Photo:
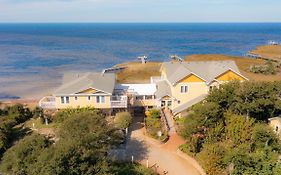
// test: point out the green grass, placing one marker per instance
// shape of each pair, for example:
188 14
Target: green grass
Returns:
133 169
39 125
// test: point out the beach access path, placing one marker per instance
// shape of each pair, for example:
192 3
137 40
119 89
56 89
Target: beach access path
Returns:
158 156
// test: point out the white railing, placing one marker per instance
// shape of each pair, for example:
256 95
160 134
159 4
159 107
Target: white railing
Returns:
119 101
48 102
155 79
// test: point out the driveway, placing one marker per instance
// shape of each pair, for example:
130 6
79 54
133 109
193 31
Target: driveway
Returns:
161 157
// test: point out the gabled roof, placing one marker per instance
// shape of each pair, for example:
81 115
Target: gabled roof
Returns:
206 70
188 104
100 82
163 89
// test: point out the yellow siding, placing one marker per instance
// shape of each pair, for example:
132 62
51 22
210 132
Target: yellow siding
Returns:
83 101
191 78
88 91
194 90
230 75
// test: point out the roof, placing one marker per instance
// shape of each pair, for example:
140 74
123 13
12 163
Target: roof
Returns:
138 89
206 70
275 118
163 89
98 81
188 104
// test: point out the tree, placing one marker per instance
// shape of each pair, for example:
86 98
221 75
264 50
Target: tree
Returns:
22 156
123 120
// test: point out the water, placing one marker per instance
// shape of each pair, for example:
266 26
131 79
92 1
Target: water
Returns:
42 52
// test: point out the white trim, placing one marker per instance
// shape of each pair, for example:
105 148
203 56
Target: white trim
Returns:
98 90
100 101
72 95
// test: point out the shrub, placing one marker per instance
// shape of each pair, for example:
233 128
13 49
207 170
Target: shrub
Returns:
123 120
38 112
62 115
154 113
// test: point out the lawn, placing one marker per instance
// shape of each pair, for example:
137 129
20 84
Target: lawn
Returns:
133 169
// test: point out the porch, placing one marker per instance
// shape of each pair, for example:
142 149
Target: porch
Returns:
48 102
119 101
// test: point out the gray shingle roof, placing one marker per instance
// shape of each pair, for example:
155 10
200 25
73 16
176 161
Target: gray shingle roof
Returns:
188 104
98 81
207 70
163 89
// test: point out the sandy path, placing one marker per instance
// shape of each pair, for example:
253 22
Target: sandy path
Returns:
161 157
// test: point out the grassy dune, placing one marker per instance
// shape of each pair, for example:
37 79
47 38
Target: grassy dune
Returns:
137 72
141 73
242 63
269 51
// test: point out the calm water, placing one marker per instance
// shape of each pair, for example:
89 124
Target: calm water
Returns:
48 50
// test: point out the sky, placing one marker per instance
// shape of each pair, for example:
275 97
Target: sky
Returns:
140 11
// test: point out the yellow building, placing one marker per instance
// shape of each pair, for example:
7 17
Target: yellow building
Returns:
181 85
184 84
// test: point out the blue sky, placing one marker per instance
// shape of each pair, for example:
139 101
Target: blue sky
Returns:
140 11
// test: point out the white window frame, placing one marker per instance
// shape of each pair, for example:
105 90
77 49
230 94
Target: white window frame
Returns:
64 99
67 99
100 99
184 89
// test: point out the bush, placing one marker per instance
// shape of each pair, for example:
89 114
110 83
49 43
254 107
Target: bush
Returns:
64 114
38 112
123 120
18 159
153 113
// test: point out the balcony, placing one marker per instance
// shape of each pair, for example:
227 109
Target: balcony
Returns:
48 102
119 101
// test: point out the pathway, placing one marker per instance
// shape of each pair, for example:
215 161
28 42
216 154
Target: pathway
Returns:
170 121
161 157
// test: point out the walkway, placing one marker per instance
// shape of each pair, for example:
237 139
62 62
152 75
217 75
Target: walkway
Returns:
161 157
170 121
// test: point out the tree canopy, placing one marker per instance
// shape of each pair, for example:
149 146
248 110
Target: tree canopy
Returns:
228 133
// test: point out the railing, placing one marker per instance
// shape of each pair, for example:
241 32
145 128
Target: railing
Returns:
119 101
155 79
48 103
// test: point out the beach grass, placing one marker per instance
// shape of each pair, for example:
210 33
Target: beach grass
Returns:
269 51
136 72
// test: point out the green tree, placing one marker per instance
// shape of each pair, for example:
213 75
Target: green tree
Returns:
123 120
24 154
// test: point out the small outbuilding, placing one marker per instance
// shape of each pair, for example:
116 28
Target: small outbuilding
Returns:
275 123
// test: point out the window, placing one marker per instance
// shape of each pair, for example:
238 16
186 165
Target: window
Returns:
139 97
66 99
76 98
179 102
100 99
89 97
149 97
276 129
62 100
184 89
